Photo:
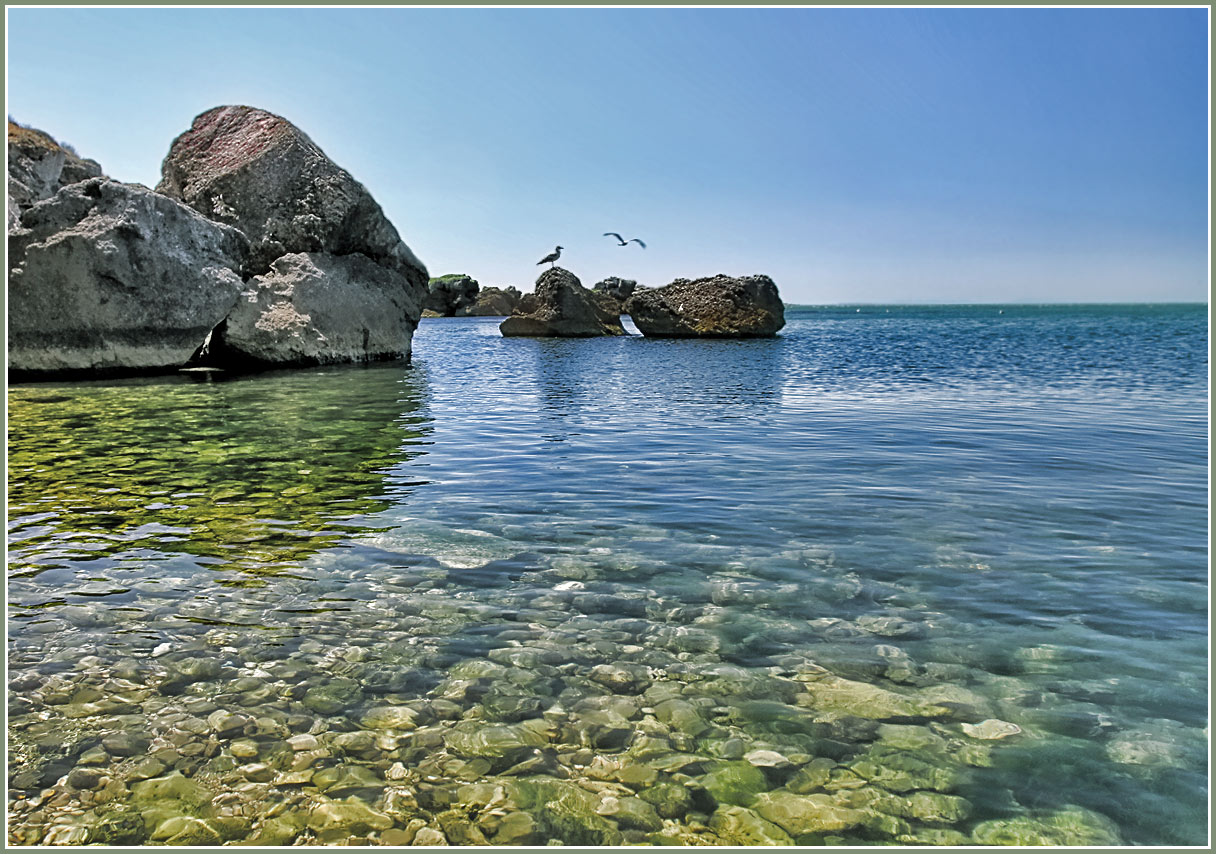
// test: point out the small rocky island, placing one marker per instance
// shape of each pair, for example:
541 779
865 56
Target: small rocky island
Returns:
561 307
460 295
716 307
255 250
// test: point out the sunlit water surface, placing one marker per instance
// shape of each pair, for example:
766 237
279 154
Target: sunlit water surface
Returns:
999 509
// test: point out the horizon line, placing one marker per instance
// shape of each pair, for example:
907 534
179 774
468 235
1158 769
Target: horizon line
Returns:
1021 303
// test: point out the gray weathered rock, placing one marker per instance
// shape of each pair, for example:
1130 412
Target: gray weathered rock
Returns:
312 228
562 308
493 302
260 173
38 167
615 287
716 307
110 276
315 308
452 294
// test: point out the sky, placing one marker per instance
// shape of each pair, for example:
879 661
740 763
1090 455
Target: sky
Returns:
853 155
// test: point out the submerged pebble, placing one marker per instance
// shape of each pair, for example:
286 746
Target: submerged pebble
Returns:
991 729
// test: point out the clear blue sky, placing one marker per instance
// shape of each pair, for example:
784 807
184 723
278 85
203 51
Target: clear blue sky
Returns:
855 155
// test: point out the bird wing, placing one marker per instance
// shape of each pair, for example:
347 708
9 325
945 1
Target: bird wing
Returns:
613 234
638 242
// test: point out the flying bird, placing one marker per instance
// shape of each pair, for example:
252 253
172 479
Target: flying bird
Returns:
622 241
551 257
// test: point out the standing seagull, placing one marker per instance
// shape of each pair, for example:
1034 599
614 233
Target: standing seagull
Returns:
551 257
622 241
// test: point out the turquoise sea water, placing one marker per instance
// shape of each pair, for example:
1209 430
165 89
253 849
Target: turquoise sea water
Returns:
997 511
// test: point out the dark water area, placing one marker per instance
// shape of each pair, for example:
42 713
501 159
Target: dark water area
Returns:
903 574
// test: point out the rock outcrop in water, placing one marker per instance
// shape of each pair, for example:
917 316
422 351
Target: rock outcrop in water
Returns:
107 276
38 167
460 295
560 307
450 295
612 293
616 288
716 307
258 172
494 302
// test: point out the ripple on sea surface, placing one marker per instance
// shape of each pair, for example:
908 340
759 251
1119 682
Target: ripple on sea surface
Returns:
684 593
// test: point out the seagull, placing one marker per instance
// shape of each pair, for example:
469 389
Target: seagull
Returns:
551 257
622 241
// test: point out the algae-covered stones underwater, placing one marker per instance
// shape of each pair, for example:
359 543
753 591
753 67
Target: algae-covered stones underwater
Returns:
667 765
437 718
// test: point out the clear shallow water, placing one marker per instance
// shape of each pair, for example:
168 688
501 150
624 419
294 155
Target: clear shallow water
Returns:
992 513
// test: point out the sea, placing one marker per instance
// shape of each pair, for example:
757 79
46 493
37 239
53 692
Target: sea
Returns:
902 574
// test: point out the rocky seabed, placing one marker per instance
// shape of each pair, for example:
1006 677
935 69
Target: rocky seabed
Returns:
549 697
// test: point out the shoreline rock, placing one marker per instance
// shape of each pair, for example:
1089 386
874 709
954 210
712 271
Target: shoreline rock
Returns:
258 172
110 278
493 302
617 289
313 308
38 167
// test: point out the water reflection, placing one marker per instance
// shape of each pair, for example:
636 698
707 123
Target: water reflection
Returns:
573 375
251 475
730 373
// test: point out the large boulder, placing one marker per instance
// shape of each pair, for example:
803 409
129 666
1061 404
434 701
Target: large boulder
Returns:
493 302
716 307
448 295
560 307
260 173
313 308
38 167
106 276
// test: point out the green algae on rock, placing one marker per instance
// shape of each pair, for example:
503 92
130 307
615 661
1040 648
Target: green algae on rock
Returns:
1071 825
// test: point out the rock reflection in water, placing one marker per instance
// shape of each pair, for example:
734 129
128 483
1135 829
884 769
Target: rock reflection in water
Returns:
252 475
